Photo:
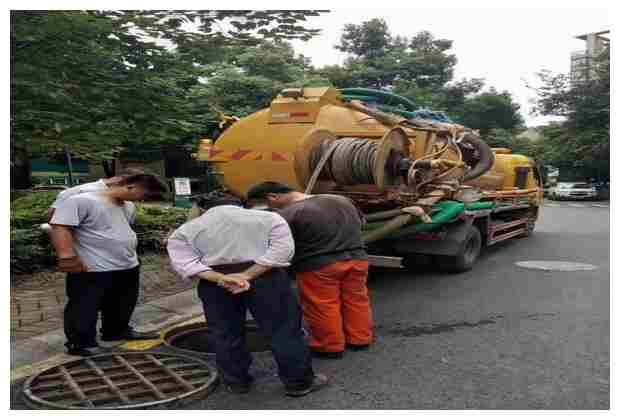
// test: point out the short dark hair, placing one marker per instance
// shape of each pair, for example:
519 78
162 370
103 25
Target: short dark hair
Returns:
155 188
133 170
217 198
260 191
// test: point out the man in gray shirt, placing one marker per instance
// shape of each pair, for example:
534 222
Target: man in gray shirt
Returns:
100 185
96 246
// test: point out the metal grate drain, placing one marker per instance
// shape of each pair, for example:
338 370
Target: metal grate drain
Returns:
120 381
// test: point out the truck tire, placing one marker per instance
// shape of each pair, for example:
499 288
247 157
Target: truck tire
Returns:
468 255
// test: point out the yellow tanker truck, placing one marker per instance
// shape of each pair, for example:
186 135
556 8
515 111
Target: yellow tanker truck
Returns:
427 186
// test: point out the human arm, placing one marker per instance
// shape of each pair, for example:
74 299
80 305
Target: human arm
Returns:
187 262
65 219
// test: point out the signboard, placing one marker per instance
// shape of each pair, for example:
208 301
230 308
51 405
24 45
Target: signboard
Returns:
182 186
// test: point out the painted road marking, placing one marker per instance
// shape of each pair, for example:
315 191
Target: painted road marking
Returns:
555 265
581 206
603 206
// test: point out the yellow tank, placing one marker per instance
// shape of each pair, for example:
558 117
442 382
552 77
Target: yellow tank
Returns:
262 146
503 174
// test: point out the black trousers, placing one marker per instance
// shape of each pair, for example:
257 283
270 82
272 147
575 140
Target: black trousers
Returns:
114 293
277 313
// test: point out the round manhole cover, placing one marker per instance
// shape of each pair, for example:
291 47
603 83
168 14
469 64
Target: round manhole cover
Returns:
198 339
555 265
120 381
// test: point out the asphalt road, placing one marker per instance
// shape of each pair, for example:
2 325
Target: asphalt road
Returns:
497 337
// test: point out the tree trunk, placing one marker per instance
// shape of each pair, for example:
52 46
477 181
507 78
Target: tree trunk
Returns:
109 167
20 169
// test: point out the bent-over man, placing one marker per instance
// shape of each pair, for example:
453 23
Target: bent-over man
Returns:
240 257
330 263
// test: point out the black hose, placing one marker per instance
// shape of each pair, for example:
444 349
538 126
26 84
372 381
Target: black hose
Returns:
352 161
482 162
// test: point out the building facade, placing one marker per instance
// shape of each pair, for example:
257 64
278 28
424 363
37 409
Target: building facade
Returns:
582 62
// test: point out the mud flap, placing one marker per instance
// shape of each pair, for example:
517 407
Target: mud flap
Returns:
450 242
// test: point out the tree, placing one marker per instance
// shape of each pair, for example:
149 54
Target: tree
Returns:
491 110
100 81
249 77
582 140
421 69
368 40
379 60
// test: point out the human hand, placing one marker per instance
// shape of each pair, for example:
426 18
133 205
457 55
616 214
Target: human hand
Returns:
233 284
71 265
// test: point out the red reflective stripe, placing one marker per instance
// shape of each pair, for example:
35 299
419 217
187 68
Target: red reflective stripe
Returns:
278 156
299 114
239 154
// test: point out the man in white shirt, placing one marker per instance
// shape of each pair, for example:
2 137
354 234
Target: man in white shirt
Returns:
241 256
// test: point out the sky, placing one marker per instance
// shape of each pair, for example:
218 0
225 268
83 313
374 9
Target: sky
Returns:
506 47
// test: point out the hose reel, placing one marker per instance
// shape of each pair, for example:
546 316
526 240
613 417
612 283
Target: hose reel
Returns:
349 160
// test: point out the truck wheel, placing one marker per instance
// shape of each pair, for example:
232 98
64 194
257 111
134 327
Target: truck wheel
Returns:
468 256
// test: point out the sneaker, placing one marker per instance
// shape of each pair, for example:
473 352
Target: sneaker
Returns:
238 388
130 334
358 347
85 351
319 381
327 354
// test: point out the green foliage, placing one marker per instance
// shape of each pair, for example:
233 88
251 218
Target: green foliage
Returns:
379 60
31 210
98 82
248 78
582 140
420 69
491 110
154 224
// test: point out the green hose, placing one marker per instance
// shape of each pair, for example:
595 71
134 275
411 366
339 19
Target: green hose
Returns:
362 98
445 212
480 205
389 98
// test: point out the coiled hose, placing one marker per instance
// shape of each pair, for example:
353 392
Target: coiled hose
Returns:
352 161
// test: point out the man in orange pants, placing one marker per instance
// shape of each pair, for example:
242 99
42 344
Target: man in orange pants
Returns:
330 263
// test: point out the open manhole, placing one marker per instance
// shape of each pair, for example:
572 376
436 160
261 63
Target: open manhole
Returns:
121 381
199 340
555 265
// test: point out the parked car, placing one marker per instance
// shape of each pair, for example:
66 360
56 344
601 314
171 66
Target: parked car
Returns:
573 191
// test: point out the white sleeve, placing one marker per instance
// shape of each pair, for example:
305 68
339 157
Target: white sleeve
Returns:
281 247
68 212
184 258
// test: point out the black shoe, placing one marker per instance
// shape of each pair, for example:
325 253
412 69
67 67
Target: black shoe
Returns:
326 354
358 347
85 351
238 388
130 334
319 381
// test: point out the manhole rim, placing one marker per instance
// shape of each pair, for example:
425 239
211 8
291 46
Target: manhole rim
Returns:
166 336
38 403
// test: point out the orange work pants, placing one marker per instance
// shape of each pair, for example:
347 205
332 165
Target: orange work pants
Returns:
336 305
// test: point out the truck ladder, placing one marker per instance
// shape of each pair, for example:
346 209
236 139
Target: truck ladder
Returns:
502 231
